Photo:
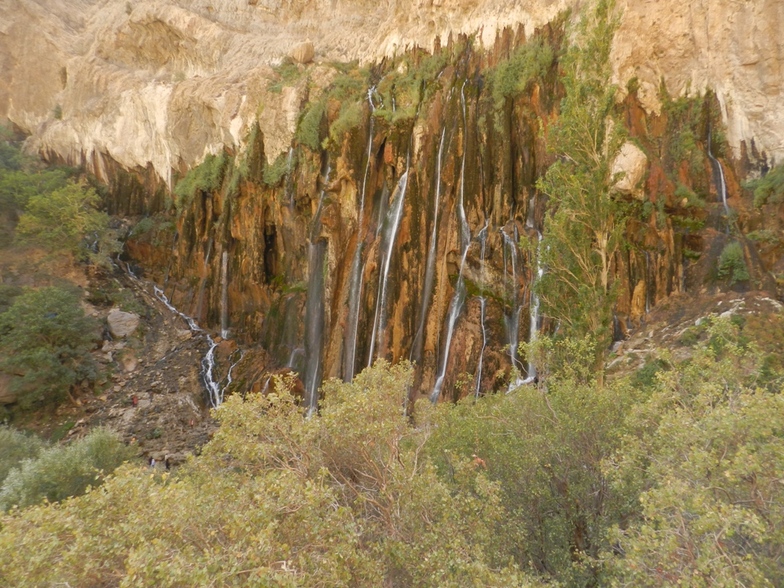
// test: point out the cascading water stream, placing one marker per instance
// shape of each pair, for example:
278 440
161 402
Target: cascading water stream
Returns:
357 267
388 234
533 332
458 298
512 316
214 390
718 172
482 306
314 306
224 300
430 264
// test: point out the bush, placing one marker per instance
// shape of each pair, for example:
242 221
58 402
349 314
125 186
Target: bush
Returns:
349 118
205 177
347 498
17 446
272 174
46 341
703 466
769 188
63 471
732 263
309 129
65 219
527 63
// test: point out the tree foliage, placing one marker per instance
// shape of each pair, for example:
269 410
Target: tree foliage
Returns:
65 219
62 471
17 447
584 230
704 462
582 485
345 498
46 338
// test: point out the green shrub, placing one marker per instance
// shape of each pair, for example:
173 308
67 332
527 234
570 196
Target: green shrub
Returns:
46 340
65 219
526 64
16 447
769 188
145 225
692 199
272 174
63 471
7 295
309 129
763 236
345 498
349 118
287 73
732 263
205 177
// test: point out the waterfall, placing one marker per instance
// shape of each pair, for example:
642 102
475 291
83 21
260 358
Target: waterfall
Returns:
388 234
430 264
214 389
224 300
458 298
533 332
314 306
718 172
357 267
482 306
512 315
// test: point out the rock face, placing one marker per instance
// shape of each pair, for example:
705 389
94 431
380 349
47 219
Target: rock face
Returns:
159 84
399 222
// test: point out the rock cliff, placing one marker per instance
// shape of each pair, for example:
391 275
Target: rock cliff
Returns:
163 83
372 199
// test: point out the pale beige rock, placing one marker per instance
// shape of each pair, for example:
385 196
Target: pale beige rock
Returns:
122 324
166 82
631 163
303 52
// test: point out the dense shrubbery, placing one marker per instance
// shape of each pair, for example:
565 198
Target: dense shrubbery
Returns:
769 189
45 343
205 177
673 479
61 471
46 208
526 64
732 263
16 447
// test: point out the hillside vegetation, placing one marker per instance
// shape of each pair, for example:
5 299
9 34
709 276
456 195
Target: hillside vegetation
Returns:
667 478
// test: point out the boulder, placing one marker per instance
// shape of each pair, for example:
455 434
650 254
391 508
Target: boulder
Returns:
631 162
122 324
303 52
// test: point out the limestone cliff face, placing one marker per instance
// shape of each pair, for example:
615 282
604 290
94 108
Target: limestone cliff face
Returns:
163 83
394 230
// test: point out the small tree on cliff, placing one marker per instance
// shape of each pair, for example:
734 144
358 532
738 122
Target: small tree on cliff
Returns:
584 230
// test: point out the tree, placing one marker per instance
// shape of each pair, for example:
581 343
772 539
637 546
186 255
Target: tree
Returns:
705 467
583 232
64 219
46 339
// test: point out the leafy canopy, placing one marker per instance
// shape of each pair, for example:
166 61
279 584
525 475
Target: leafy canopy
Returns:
585 230
46 340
